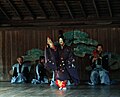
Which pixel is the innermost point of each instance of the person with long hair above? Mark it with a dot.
(62, 62)
(67, 70)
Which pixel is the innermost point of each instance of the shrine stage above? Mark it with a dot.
(44, 90)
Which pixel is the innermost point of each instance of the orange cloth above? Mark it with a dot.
(61, 83)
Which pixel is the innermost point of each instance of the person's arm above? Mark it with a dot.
(37, 72)
(94, 59)
(51, 45)
(95, 56)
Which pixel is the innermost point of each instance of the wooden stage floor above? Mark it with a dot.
(44, 90)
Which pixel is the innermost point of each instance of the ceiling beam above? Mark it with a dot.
(80, 20)
(4, 12)
(96, 10)
(58, 24)
(29, 9)
(69, 10)
(55, 8)
(109, 7)
(42, 8)
(15, 8)
(82, 8)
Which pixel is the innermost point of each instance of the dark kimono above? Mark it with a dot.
(21, 72)
(40, 74)
(61, 61)
(51, 58)
(18, 76)
(99, 71)
(66, 68)
(51, 63)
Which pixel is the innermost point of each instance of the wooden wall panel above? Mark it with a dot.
(1, 61)
(15, 42)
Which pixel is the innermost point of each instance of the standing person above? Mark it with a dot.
(66, 65)
(60, 59)
(17, 72)
(99, 72)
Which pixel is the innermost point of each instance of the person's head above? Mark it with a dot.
(20, 60)
(61, 39)
(42, 59)
(99, 47)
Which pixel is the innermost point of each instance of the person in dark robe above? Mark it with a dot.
(40, 72)
(18, 76)
(67, 70)
(99, 71)
(60, 59)
(51, 60)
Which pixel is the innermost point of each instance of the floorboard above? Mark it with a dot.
(44, 90)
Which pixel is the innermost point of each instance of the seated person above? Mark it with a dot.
(17, 72)
(99, 72)
(26, 70)
(41, 76)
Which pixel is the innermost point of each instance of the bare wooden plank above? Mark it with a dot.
(28, 90)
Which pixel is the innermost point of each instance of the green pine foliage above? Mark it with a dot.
(83, 44)
(33, 54)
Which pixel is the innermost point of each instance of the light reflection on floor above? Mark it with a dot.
(44, 90)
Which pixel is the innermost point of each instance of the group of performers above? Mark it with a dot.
(60, 63)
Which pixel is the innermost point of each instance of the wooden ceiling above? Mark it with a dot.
(59, 12)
